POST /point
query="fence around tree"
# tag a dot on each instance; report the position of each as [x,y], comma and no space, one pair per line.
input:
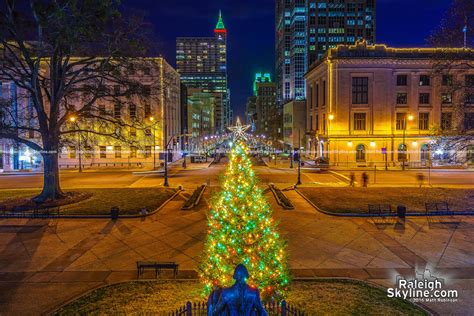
[200,309]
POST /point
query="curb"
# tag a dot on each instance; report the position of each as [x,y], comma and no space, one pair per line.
[366,215]
[178,190]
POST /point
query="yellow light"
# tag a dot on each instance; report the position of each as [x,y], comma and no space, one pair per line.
[349,144]
[415,143]
[410,117]
[72,119]
[151,118]
[372,144]
[331,117]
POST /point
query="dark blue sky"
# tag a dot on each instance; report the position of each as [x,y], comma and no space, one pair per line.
[250,25]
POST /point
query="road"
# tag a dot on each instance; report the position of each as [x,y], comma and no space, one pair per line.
[197,174]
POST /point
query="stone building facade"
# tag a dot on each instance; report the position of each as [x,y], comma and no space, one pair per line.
[156,118]
[374,105]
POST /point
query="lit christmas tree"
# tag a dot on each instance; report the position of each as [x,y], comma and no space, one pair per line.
[242,230]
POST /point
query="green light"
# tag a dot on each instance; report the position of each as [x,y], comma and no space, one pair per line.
[220,23]
[261,78]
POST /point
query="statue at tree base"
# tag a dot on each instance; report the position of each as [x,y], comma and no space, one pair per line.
[237,300]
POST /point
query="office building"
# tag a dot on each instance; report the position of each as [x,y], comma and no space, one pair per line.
[375,105]
[149,122]
[306,29]
[202,64]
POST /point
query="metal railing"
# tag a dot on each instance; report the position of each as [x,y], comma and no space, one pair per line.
[200,309]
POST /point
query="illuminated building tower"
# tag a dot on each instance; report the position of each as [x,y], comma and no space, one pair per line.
[251,110]
[331,23]
[202,64]
[306,29]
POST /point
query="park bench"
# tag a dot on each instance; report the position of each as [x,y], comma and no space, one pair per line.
[438,208]
[380,209]
[158,266]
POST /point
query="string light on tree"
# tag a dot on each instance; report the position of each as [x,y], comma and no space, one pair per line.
[241,230]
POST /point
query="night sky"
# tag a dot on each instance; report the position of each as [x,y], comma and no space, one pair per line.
[250,26]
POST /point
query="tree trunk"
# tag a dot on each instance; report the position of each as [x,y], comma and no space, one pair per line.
[51,187]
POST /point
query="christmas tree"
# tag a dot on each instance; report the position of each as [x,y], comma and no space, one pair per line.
[242,230]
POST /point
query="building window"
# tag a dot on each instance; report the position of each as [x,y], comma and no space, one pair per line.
[147,151]
[117,110]
[423,121]
[446,121]
[402,152]
[469,98]
[147,110]
[424,80]
[133,151]
[360,153]
[470,154]
[87,152]
[103,152]
[324,93]
[72,152]
[424,98]
[447,80]
[402,80]
[446,98]
[402,98]
[424,153]
[317,122]
[133,111]
[317,95]
[469,121]
[359,121]
[133,132]
[360,90]
[118,151]
[401,121]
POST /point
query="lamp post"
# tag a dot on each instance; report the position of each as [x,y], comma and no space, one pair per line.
[73,120]
[410,118]
[299,169]
[151,118]
[330,117]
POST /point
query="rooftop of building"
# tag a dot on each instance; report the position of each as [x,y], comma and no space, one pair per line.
[361,50]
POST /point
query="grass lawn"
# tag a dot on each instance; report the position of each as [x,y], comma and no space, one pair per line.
[130,201]
[355,200]
[322,297]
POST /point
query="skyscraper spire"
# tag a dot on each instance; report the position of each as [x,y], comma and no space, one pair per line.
[220,27]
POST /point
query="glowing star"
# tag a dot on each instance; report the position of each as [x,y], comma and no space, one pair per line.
[239,130]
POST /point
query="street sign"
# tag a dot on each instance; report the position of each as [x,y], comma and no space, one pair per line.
[384,150]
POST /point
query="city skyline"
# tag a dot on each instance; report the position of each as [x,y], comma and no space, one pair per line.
[250,52]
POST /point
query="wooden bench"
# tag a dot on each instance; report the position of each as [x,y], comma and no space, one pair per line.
[438,208]
[380,209]
[158,266]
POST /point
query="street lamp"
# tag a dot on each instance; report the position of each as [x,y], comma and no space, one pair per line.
[410,118]
[151,118]
[73,120]
[331,118]
[299,168]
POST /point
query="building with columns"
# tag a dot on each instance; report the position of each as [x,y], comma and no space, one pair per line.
[375,105]
[148,123]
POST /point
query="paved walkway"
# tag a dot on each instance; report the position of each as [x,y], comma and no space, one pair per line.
[44,263]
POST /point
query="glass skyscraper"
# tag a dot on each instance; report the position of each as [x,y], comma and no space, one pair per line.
[306,29]
[202,64]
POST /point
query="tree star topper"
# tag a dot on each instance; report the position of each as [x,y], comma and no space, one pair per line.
[239,130]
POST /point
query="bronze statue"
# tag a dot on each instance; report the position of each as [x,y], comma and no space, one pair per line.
[238,300]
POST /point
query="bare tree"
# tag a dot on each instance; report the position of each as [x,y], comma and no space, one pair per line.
[66,57]
[453,67]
